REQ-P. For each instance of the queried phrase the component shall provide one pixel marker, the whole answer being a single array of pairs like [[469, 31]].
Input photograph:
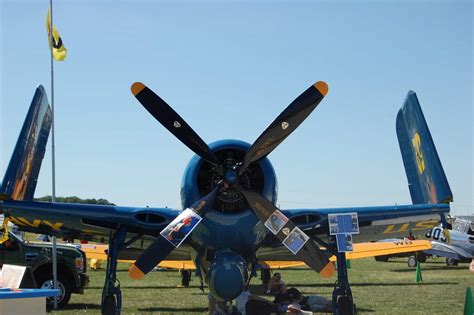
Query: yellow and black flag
[[59, 51]]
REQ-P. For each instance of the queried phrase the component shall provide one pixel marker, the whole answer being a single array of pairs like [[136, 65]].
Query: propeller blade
[[162, 112], [168, 240], [289, 234], [286, 123]]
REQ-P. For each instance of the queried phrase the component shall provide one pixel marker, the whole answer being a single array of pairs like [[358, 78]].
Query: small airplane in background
[[228, 193], [456, 244]]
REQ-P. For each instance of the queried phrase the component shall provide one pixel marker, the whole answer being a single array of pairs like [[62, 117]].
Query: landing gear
[[111, 294], [185, 277], [265, 276], [342, 302], [412, 261]]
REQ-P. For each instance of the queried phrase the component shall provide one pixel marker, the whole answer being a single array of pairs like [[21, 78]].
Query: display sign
[[343, 223], [344, 243], [11, 276]]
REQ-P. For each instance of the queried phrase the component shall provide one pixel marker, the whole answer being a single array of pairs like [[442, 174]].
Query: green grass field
[[378, 288]]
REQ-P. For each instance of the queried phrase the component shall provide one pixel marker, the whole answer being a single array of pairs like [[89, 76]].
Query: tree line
[[75, 199]]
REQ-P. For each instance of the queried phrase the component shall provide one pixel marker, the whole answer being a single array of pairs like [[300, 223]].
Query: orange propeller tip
[[137, 87], [322, 87], [135, 273], [328, 270]]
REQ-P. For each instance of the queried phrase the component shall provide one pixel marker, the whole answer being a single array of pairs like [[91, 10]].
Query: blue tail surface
[[426, 178], [22, 172]]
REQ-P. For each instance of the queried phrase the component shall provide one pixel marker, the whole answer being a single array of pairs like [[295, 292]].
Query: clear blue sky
[[229, 69]]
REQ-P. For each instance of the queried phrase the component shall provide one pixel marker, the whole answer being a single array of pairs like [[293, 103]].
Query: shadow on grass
[[145, 287], [428, 268], [365, 310], [81, 306], [174, 309], [368, 284]]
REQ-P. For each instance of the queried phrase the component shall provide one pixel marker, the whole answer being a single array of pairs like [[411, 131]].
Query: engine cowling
[[200, 178]]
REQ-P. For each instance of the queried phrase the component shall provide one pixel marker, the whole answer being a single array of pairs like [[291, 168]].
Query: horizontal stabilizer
[[426, 178]]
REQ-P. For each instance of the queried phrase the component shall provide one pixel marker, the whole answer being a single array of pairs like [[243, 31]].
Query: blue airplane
[[229, 193]]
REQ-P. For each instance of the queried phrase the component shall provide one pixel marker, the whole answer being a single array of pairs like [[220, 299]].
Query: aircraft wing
[[375, 223], [180, 257], [371, 249], [273, 258], [361, 250], [96, 221]]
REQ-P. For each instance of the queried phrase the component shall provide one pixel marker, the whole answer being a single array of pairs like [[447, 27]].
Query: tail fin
[[425, 174], [22, 173]]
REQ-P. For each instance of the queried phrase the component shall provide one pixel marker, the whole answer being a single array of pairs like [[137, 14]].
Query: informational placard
[[344, 243], [179, 229], [11, 276], [343, 223], [295, 240], [276, 222]]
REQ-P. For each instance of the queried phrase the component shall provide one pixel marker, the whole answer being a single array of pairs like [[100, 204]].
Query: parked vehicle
[[71, 264]]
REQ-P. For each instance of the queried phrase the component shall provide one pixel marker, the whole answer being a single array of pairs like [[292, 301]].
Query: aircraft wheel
[[383, 258], [421, 257], [110, 305], [412, 261], [344, 306], [185, 278], [265, 276], [451, 262]]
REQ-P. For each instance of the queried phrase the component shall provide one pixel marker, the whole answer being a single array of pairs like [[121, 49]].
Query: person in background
[[251, 304], [287, 297], [276, 285], [314, 303]]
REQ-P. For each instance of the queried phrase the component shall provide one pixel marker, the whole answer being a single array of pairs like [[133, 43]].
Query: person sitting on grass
[[251, 304], [285, 298], [276, 285], [314, 303]]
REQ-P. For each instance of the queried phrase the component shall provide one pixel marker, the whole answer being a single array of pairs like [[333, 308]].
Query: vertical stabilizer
[[22, 172], [425, 174]]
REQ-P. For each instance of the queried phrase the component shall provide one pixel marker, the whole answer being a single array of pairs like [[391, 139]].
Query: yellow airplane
[[98, 253]]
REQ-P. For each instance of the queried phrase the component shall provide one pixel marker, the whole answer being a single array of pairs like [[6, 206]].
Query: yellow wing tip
[[328, 270], [322, 87], [137, 87], [135, 273]]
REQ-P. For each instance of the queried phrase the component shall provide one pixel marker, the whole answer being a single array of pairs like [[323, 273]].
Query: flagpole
[[53, 195]]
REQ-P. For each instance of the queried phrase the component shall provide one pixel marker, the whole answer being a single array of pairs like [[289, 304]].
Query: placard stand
[[21, 301]]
